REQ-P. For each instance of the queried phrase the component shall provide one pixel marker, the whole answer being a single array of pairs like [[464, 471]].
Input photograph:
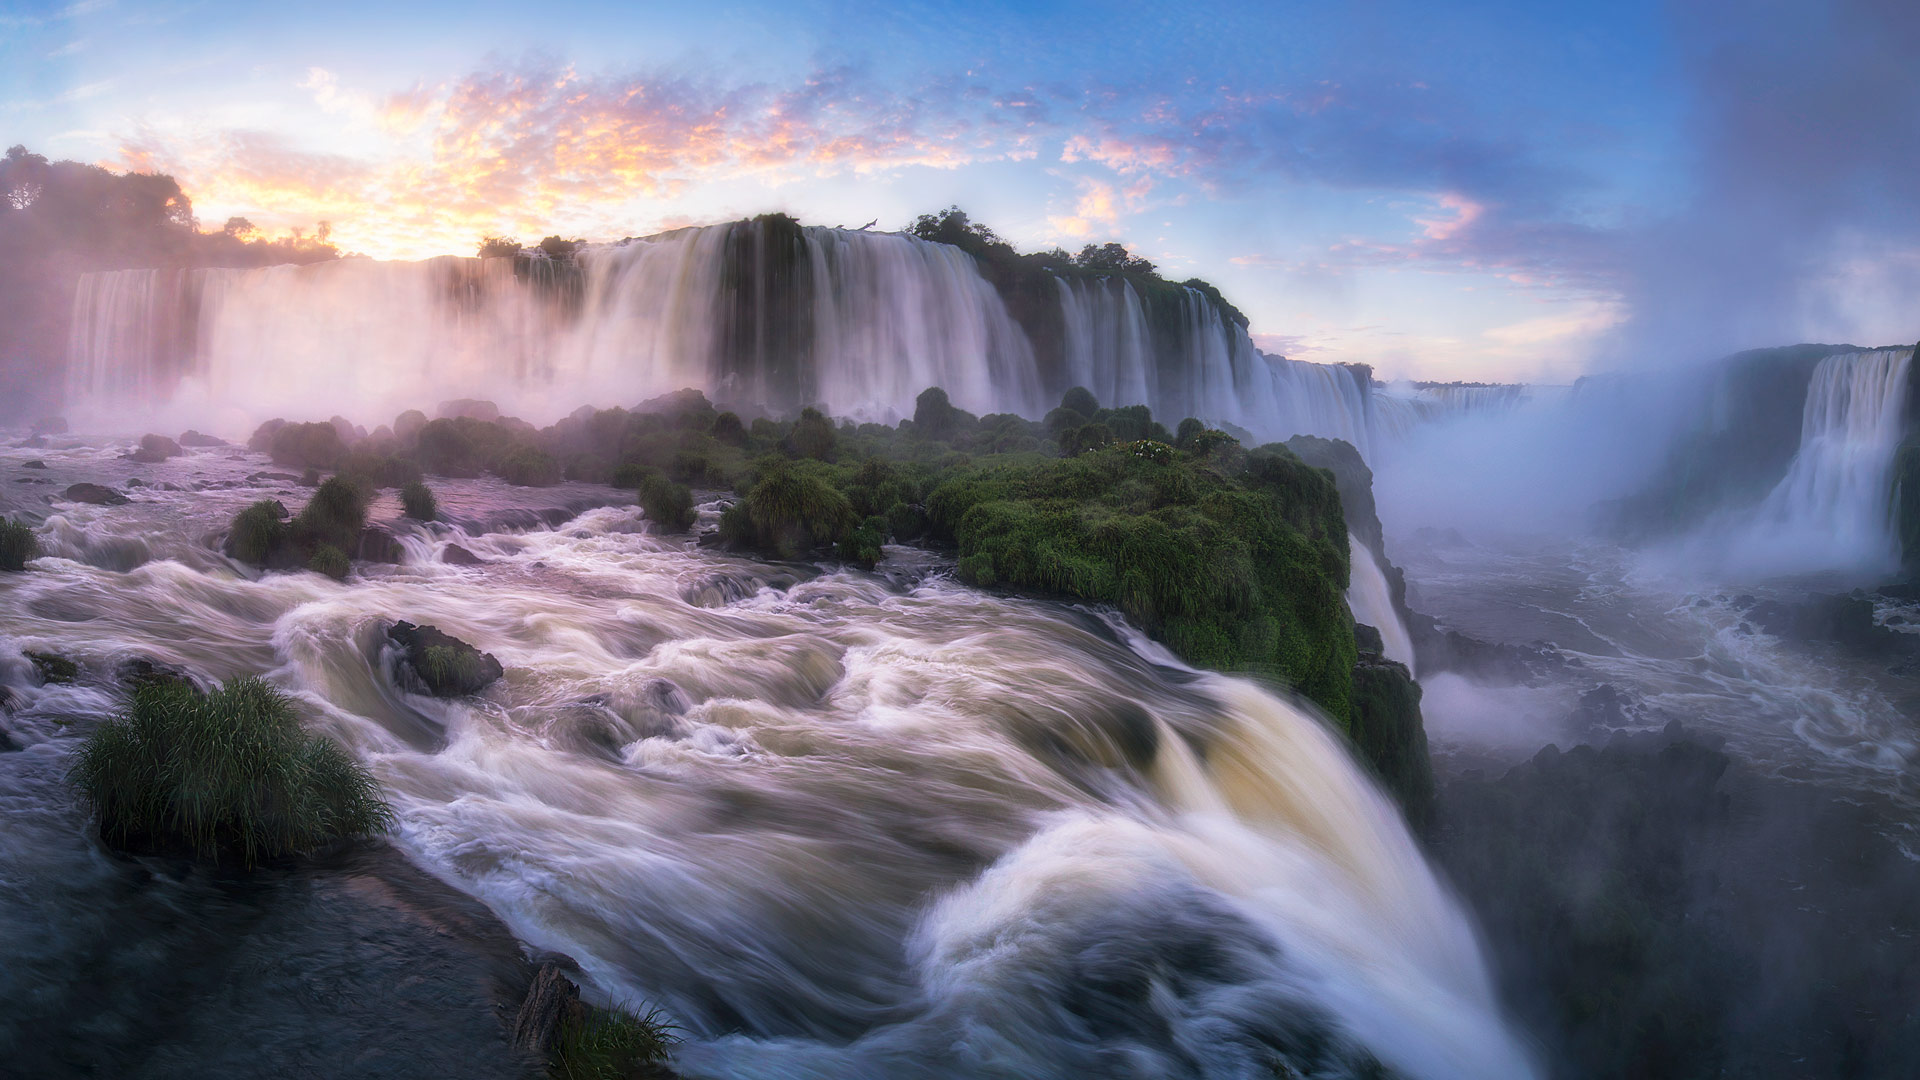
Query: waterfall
[[1371, 601], [1832, 509], [762, 314]]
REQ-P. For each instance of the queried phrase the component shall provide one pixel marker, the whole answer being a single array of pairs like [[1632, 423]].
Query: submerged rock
[[36, 463], [455, 555], [53, 668], [95, 494], [444, 665], [141, 672]]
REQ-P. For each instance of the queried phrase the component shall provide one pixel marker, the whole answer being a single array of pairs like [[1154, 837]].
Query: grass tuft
[[417, 500], [612, 1044], [226, 773], [18, 545]]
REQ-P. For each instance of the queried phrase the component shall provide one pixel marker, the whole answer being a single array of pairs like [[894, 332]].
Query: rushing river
[[833, 823]]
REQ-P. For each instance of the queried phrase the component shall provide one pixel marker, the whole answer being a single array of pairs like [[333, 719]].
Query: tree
[[498, 247], [239, 228], [1112, 258], [558, 247]]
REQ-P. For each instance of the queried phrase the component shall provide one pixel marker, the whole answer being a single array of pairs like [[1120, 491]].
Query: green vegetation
[[331, 561], [611, 1044], [417, 500], [667, 504], [1237, 561], [529, 466], [1388, 732], [18, 545], [230, 772], [447, 666], [332, 519], [790, 512], [307, 446]]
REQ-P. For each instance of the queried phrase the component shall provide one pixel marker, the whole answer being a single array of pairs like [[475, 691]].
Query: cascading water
[[837, 827], [760, 314], [1371, 600], [1832, 509]]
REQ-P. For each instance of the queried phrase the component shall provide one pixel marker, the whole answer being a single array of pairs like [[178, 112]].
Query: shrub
[[315, 446], [417, 500], [529, 466], [789, 513], [862, 546], [1080, 400], [667, 504], [728, 429], [610, 1044], [331, 561], [257, 531], [335, 515], [377, 472], [17, 544], [813, 435], [231, 772], [934, 416]]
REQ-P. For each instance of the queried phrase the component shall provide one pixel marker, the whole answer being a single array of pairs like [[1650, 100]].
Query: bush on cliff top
[[227, 773], [1240, 572]]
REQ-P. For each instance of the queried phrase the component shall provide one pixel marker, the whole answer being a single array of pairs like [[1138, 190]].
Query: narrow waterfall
[[1371, 601], [762, 314], [1832, 509]]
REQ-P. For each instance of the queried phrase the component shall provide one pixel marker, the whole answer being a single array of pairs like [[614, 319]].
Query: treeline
[[59, 219], [1236, 558]]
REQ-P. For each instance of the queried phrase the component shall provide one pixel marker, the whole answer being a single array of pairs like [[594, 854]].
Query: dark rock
[[95, 494], [156, 448], [54, 669], [552, 1002], [1450, 650], [36, 463], [1388, 732], [444, 665], [1367, 639], [1845, 620], [378, 545], [141, 672], [136, 482], [191, 437], [455, 555]]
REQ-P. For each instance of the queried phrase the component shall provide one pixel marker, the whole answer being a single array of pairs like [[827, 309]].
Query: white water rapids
[[840, 826]]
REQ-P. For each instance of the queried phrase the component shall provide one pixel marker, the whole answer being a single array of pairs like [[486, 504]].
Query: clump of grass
[[789, 513], [667, 504], [331, 561], [335, 515], [417, 500], [611, 1044], [257, 531], [443, 665], [17, 544], [226, 773]]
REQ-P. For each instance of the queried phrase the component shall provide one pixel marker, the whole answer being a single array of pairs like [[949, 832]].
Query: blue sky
[[1468, 190]]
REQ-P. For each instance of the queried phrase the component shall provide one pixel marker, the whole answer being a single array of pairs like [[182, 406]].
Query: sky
[[1479, 191]]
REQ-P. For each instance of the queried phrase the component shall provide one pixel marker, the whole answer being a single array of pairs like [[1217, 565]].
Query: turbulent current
[[833, 823]]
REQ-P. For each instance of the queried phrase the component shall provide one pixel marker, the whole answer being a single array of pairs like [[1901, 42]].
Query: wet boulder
[[378, 545], [155, 449], [455, 555], [443, 664], [36, 463], [96, 494], [53, 668], [552, 1003], [141, 672], [196, 439]]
